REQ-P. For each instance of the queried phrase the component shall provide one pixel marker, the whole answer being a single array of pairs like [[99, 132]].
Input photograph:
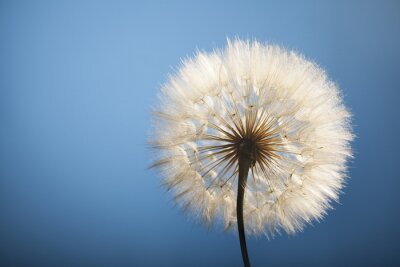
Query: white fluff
[[305, 113]]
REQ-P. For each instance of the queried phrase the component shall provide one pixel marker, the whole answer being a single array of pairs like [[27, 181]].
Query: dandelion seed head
[[266, 103]]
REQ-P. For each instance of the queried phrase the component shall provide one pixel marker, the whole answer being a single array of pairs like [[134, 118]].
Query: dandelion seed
[[253, 136]]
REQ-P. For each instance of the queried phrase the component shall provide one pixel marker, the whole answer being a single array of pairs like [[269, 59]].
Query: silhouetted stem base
[[244, 166]]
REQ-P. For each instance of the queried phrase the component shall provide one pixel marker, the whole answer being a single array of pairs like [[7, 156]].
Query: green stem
[[244, 166]]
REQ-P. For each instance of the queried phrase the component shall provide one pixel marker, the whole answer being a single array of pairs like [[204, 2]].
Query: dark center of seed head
[[248, 150]]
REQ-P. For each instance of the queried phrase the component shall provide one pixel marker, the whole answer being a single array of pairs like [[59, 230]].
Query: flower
[[265, 112]]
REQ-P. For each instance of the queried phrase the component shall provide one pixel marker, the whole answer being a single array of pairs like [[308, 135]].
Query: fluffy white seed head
[[276, 99]]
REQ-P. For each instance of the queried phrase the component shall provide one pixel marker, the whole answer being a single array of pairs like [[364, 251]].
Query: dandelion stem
[[244, 166]]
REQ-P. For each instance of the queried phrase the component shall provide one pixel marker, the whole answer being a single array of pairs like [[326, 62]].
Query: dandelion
[[254, 136]]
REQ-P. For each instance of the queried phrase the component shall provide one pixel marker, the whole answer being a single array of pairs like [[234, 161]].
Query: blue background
[[77, 80]]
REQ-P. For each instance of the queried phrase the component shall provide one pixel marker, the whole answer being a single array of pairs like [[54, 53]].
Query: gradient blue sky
[[77, 79]]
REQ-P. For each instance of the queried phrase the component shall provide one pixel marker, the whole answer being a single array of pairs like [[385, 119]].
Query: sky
[[77, 81]]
